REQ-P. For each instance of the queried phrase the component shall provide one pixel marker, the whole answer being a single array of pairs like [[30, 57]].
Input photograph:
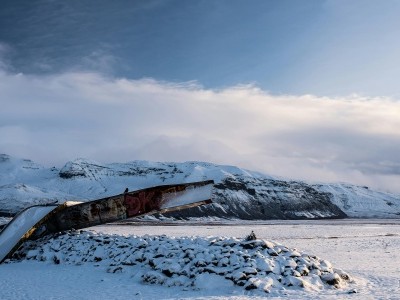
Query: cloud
[[55, 118], [5, 50]]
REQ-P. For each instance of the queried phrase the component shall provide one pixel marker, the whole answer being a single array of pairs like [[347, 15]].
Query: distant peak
[[80, 167]]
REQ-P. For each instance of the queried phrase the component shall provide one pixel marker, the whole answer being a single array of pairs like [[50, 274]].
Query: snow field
[[192, 263], [4, 221]]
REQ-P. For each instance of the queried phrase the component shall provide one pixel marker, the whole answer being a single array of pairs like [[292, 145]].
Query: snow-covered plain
[[366, 249]]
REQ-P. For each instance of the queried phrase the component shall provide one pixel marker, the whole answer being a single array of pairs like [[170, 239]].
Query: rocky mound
[[250, 263]]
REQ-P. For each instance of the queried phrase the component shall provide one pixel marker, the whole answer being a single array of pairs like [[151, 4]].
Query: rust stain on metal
[[144, 201]]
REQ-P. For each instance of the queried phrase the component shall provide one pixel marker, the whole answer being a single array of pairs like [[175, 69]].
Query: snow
[[356, 200], [367, 250], [23, 183], [251, 264], [4, 221]]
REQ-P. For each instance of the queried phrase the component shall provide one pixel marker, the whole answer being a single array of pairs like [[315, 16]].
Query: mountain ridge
[[238, 193]]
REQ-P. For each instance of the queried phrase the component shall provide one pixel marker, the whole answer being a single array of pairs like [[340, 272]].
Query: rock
[[331, 278], [325, 266]]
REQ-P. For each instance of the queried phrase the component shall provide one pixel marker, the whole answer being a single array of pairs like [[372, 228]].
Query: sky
[[299, 89]]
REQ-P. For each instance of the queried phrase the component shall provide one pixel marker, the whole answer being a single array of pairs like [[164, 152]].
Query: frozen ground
[[366, 249]]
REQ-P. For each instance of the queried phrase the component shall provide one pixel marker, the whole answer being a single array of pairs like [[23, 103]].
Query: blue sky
[[301, 89], [286, 47]]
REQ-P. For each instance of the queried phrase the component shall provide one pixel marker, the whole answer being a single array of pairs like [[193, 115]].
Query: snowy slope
[[362, 202], [238, 193]]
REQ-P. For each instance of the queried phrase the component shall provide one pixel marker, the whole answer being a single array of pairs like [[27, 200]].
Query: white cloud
[[55, 118]]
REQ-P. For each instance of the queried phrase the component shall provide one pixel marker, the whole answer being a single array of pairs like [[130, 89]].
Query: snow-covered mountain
[[238, 193]]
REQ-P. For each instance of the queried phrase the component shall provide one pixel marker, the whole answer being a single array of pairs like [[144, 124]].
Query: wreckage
[[40, 220]]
